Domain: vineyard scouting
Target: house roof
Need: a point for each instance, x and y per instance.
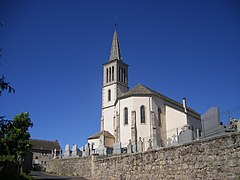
(38, 144)
(104, 133)
(141, 90)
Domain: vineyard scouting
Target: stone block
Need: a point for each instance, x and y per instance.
(117, 148)
(186, 136)
(140, 145)
(238, 126)
(102, 150)
(129, 147)
(67, 152)
(87, 150)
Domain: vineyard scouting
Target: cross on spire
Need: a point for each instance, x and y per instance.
(115, 23)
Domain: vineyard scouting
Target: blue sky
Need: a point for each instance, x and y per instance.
(53, 53)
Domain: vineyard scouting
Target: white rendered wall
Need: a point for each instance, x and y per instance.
(174, 119)
(113, 89)
(143, 130)
(108, 108)
(195, 123)
(156, 104)
(95, 141)
(108, 115)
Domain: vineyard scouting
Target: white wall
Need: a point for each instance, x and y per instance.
(105, 102)
(156, 104)
(95, 141)
(174, 119)
(134, 104)
(196, 123)
(108, 115)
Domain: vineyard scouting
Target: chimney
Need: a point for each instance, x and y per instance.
(184, 102)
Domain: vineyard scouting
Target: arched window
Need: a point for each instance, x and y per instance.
(159, 117)
(109, 95)
(112, 73)
(107, 75)
(125, 115)
(142, 114)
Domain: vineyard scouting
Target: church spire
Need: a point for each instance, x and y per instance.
(115, 49)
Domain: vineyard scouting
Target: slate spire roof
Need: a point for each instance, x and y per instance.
(115, 49)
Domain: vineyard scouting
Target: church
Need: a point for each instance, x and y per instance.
(140, 113)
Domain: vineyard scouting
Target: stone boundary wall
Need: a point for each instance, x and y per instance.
(71, 167)
(211, 158)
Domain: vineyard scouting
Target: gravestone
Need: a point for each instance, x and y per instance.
(67, 151)
(198, 134)
(117, 148)
(55, 154)
(211, 122)
(60, 154)
(75, 151)
(149, 144)
(129, 147)
(134, 148)
(102, 150)
(174, 141)
(186, 136)
(238, 126)
(87, 150)
(140, 145)
(169, 142)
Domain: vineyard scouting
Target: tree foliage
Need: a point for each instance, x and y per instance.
(5, 86)
(15, 137)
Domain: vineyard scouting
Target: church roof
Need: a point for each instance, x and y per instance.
(104, 133)
(141, 90)
(44, 144)
(115, 49)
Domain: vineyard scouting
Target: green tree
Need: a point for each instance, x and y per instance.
(15, 135)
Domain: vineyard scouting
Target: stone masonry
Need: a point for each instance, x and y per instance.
(211, 158)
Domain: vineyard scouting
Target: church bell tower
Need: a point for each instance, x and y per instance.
(115, 83)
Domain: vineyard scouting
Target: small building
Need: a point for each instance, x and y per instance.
(103, 137)
(43, 151)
